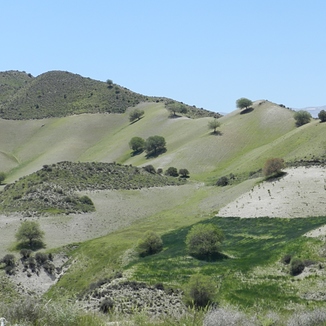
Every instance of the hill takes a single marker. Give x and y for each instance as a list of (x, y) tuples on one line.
[(60, 94)]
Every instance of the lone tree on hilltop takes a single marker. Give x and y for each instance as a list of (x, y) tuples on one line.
[(322, 115), (135, 115), (302, 117), (273, 166), (204, 240), (243, 103), (155, 145), (30, 232), (175, 107), (214, 124), (137, 144)]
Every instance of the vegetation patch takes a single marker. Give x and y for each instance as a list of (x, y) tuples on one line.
[(53, 189)]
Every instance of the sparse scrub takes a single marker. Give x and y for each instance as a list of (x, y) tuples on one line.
[(201, 290), (151, 244)]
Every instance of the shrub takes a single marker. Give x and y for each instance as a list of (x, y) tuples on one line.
[(184, 173), (86, 200), (149, 168), (49, 267), (273, 166), (172, 172), (2, 177), (204, 240), (155, 145), (8, 260), (213, 124), (41, 258), (296, 267), (25, 253), (137, 144), (106, 306), (31, 263), (200, 290), (286, 259), (222, 181), (302, 117), (135, 115), (322, 115), (159, 171), (150, 244)]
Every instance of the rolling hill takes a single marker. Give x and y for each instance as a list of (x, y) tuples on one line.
[(59, 116)]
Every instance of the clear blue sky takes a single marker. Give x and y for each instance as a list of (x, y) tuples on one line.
[(206, 53)]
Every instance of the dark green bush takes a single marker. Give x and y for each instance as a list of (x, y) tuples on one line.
[(41, 258), (222, 181), (201, 290), (149, 168), (25, 253), (286, 259), (150, 244), (296, 267), (204, 240), (8, 260), (86, 200), (184, 173), (172, 172), (106, 306)]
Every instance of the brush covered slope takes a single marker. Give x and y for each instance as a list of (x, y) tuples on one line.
[(61, 93), (52, 189)]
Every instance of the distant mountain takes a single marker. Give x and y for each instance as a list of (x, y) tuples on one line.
[(61, 93), (313, 110)]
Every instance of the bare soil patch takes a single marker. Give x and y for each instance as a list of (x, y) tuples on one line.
[(300, 193)]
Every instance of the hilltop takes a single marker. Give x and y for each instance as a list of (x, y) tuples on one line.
[(61, 93)]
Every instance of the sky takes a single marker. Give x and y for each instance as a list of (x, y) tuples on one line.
[(206, 53)]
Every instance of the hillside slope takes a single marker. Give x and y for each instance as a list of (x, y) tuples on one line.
[(243, 145)]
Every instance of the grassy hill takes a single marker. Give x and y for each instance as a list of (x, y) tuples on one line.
[(40, 127)]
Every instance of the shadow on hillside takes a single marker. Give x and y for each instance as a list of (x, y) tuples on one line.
[(155, 154), (216, 133), (135, 153), (36, 245), (212, 258), (132, 122), (276, 177), (175, 116), (247, 110)]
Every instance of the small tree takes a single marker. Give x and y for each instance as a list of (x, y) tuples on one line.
[(204, 240), (135, 115), (200, 290), (184, 173), (155, 145), (243, 103), (137, 144), (322, 115), (8, 260), (273, 166), (29, 231), (213, 124), (172, 172), (302, 117), (175, 107), (109, 82), (150, 244), (2, 177)]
